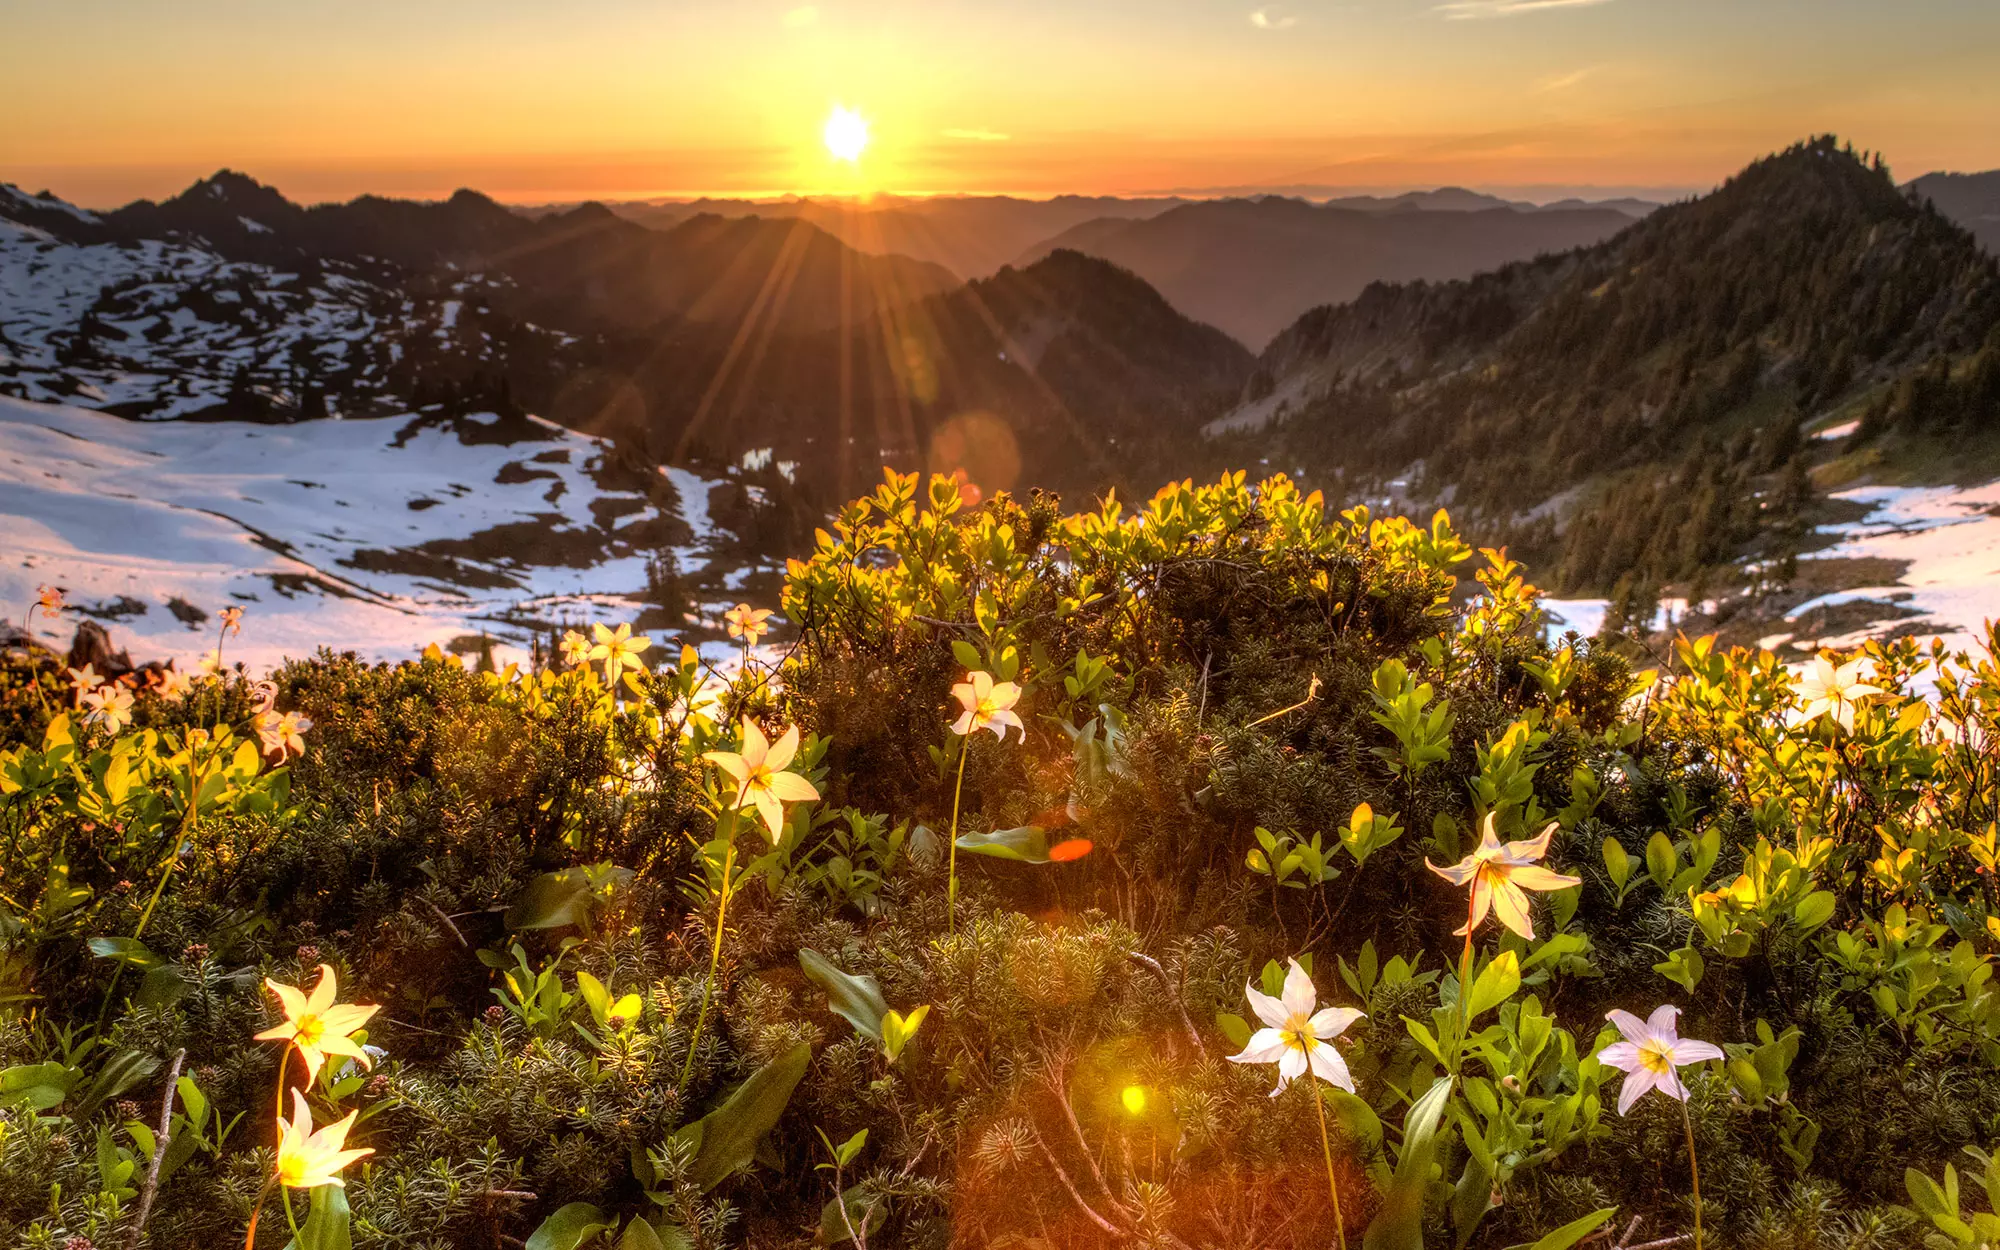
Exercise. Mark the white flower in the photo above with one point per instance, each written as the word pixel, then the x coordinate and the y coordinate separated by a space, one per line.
pixel 1650 1053
pixel 1296 1037
pixel 1500 873
pixel 987 704
pixel 1833 691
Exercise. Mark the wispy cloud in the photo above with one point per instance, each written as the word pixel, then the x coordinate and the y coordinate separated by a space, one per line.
pixel 976 135
pixel 1563 82
pixel 1463 10
pixel 804 15
pixel 1264 19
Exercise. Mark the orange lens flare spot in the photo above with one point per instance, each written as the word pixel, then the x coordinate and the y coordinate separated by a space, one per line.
pixel 1069 849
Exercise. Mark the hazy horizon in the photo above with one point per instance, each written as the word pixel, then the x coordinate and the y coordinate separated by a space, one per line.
pixel 617 99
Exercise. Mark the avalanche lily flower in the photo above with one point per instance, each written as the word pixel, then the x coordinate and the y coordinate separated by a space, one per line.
pixel 575 648
pixel 1650 1053
pixel 309 1159
pixel 987 704
pixel 50 600
pixel 266 695
pixel 282 734
pixel 232 621
pixel 618 649
pixel 110 705
pixel 1830 691
pixel 317 1025
pixel 747 623
pixel 1296 1036
pixel 1299 1039
pixel 761 779
pixel 1499 875
pixel 171 683
pixel 84 680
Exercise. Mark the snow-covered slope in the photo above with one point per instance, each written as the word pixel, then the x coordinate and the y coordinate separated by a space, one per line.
pixel 163 328
pixel 378 535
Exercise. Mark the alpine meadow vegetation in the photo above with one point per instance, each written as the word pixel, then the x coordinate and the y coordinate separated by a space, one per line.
pixel 627 950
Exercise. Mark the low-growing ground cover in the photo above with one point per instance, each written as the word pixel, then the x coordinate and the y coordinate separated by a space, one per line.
pixel 947 930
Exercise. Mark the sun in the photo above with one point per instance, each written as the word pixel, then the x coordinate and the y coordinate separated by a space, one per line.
pixel 846 134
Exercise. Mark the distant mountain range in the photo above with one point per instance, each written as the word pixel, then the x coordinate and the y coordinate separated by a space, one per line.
pixel 1624 393
pixel 1251 267
pixel 710 338
pixel 1643 409
pixel 1971 200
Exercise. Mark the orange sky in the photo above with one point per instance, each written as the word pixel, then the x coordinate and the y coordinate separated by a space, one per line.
pixel 113 99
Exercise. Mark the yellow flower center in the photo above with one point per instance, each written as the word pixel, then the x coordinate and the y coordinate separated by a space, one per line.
pixel 1656 1058
pixel 1299 1035
pixel 291 1169
pixel 310 1030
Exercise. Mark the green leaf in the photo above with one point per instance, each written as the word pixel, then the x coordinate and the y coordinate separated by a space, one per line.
pixel 1494 985
pixel 38 1086
pixel 1617 862
pixel 327 1222
pixel 860 1211
pixel 125 951
pixel 1569 1234
pixel 1814 910
pixel 1399 1222
pixel 1684 968
pixel 1028 844
pixel 639 1235
pixel 162 986
pixel 1661 859
pixel 730 1133
pixel 967 655
pixel 1234 1027
pixel 857 999
pixel 897 1030
pixel 569 1227
pixel 1472 1196
pixel 554 900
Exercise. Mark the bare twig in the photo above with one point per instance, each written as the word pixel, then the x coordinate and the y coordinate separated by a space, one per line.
pixel 1173 991
pixel 446 920
pixel 152 1185
pixel 1055 1165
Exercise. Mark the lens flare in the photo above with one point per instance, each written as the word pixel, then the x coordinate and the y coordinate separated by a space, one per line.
pixel 846 134
pixel 1134 1098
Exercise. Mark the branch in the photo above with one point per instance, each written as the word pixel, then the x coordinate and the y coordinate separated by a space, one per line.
pixel 1057 1167
pixel 1173 991
pixel 165 1134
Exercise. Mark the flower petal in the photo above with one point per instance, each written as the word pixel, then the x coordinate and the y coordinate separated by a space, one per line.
pixel 1630 1026
pixel 1333 1021
pixel 1299 997
pixel 756 747
pixel 963 725
pixel 729 762
pixel 1623 1056
pixel 1291 1066
pixel 772 811
pixel 791 788
pixel 1687 1051
pixel 1512 907
pixel 1536 877
pixel 1328 1066
pixel 1661 1022
pixel 1482 902
pixel 1532 849
pixel 780 757
pixel 1457 874
pixel 1267 1009
pixel 1636 1084
pixel 1265 1046
pixel 323 993
pixel 291 999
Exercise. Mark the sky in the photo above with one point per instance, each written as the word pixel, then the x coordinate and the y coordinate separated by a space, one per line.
pixel 533 101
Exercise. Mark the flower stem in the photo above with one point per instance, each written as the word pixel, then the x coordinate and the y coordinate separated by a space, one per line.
pixel 1694 1171
pixel 285 1193
pixel 278 1101
pixel 1332 1185
pixel 1464 992
pixel 951 871
pixel 715 951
